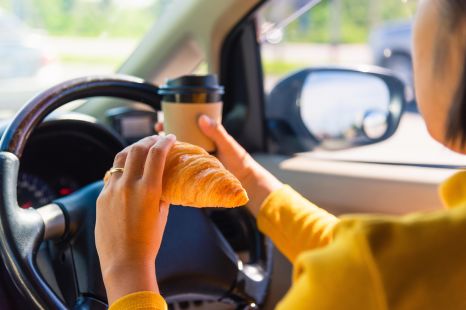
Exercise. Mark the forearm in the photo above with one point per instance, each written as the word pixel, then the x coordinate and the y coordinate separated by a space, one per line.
pixel 294 223
pixel 125 279
pixel 259 184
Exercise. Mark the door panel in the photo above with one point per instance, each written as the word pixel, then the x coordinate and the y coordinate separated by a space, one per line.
pixel 347 187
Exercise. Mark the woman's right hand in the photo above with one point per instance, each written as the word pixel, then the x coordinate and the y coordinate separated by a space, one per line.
pixel 257 181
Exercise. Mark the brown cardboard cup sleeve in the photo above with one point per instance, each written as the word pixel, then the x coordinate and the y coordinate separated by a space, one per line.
pixel 181 119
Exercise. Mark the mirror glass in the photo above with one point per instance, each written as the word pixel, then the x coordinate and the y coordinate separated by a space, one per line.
pixel 344 108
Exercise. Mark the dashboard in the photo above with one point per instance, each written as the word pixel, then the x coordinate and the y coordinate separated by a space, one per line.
pixel 62 156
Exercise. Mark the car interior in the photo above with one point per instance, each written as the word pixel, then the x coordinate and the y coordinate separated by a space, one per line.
pixel 55 151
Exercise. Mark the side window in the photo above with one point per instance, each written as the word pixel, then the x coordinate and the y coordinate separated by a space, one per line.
pixel 298 35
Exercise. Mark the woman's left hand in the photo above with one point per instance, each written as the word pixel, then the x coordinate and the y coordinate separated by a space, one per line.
pixel 131 218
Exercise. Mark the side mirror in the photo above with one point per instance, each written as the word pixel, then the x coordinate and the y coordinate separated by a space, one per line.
pixel 334 108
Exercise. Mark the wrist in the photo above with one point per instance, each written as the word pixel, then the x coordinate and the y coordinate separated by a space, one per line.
pixel 126 278
pixel 259 184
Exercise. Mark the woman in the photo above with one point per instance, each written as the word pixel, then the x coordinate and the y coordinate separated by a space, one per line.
pixel 356 262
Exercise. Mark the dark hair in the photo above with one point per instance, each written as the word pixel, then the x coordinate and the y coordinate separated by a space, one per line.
pixel 454 13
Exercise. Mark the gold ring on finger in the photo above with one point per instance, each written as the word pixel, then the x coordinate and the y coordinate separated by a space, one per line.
pixel 112 170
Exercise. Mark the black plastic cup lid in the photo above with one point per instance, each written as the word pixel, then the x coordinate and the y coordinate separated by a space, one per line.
pixel 191 84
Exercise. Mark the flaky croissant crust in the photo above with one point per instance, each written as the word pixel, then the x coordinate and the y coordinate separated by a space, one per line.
pixel 194 178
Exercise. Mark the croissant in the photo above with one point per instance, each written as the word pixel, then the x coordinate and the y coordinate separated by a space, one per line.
pixel 194 178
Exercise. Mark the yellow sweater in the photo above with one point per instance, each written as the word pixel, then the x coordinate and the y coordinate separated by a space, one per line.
pixel 416 261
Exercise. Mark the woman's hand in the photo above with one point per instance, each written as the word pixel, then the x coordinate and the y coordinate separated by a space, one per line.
pixel 131 218
pixel 257 181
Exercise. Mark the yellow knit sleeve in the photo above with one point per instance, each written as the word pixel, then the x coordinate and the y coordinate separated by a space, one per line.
pixel 293 223
pixel 452 191
pixel 339 276
pixel 140 301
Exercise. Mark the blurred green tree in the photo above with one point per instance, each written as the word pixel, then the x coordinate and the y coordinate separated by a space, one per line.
pixel 110 18
pixel 358 17
pixel 84 18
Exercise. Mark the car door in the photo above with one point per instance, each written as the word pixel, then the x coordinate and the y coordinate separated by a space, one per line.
pixel 396 175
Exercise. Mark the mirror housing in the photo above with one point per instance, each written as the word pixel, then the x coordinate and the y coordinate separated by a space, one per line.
pixel 333 108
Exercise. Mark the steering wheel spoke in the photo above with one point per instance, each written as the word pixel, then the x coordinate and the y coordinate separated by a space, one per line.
pixel 54 221
pixel 22 232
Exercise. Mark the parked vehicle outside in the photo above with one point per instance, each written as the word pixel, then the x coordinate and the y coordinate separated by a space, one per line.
pixel 28 64
pixel 390 45
pixel 24 51
pixel 48 42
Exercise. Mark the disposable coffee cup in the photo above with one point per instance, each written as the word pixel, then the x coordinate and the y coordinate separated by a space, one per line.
pixel 184 100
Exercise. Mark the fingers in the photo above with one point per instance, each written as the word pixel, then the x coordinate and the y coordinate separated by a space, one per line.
pixel 210 128
pixel 164 208
pixel 159 127
pixel 120 158
pixel 217 133
pixel 155 163
pixel 136 158
pixel 118 162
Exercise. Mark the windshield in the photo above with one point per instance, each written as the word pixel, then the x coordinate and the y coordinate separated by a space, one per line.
pixel 43 42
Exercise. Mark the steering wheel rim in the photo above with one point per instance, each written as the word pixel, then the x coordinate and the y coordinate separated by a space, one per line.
pixel 22 231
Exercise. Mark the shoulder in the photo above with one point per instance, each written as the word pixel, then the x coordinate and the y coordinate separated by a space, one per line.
pixel 393 261
pixel 338 276
pixel 435 229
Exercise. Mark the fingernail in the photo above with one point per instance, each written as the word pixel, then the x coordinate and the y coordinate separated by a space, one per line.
pixel 170 136
pixel 206 119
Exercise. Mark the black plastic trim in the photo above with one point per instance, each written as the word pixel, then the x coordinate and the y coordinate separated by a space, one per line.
pixel 241 74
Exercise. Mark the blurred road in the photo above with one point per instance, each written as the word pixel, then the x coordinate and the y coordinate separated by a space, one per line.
pixel 93 46
pixel 318 54
pixel 411 144
pixel 75 57
pixel 311 55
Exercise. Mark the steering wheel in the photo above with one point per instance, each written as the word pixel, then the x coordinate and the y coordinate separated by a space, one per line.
pixel 195 261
